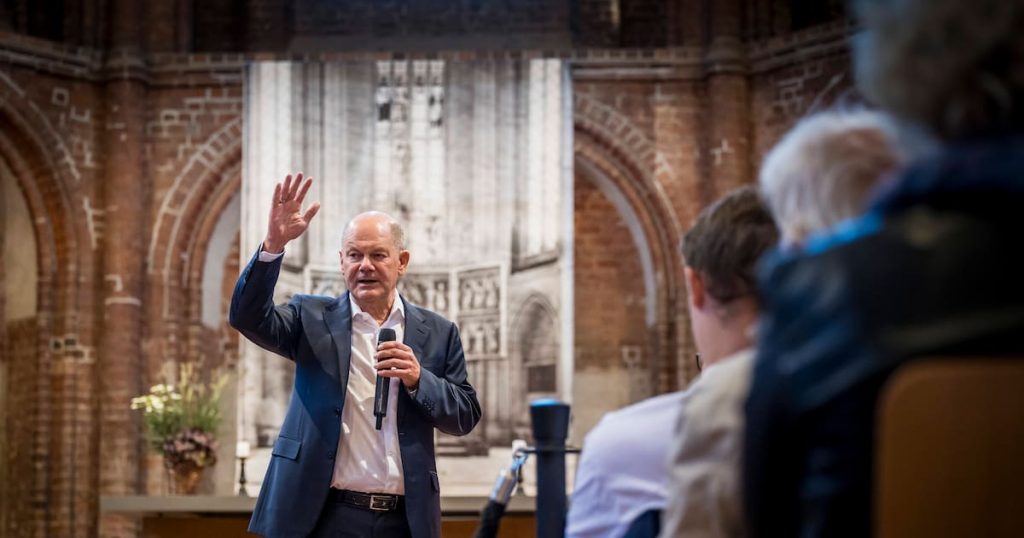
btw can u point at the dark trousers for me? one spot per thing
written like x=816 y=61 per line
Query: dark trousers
x=341 y=520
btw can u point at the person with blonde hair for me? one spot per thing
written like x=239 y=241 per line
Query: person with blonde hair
x=931 y=269
x=819 y=175
x=823 y=169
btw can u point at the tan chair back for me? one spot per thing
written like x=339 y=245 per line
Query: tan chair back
x=950 y=443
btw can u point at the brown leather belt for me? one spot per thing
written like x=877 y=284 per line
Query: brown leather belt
x=382 y=502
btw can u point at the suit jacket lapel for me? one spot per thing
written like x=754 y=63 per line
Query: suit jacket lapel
x=415 y=337
x=415 y=327
x=338 y=317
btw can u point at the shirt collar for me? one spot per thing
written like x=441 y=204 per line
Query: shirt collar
x=745 y=352
x=397 y=313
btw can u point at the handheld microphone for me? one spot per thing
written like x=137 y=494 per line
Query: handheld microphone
x=380 y=393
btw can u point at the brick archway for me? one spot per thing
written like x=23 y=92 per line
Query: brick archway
x=54 y=361
x=630 y=167
x=212 y=163
x=527 y=334
x=207 y=212
x=207 y=182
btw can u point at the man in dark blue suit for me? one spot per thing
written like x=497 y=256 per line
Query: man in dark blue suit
x=332 y=472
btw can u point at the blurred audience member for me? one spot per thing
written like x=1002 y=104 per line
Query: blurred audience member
x=817 y=176
x=932 y=269
x=623 y=470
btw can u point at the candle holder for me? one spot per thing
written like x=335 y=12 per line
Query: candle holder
x=242 y=492
x=242 y=453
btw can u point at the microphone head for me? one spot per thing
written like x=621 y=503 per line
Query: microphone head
x=386 y=335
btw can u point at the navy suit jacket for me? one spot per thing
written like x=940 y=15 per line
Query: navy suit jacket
x=315 y=332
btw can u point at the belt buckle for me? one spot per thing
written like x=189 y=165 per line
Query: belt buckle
x=381 y=503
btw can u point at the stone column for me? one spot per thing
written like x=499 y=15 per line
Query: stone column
x=727 y=139
x=123 y=263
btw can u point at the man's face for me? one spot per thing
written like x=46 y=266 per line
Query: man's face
x=371 y=262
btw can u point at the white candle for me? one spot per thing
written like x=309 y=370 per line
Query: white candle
x=242 y=450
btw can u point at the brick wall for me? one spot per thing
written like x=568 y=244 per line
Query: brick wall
x=21 y=371
x=782 y=95
x=126 y=163
x=608 y=280
x=595 y=23
x=97 y=161
x=228 y=338
x=368 y=17
x=644 y=137
x=645 y=23
x=613 y=365
x=219 y=27
x=279 y=25
x=273 y=25
x=49 y=141
x=681 y=129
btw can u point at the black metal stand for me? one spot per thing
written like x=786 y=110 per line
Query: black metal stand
x=510 y=480
x=550 y=420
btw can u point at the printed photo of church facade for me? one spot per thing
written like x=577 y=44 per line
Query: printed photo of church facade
x=472 y=158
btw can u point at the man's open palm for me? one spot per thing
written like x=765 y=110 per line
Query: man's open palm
x=287 y=221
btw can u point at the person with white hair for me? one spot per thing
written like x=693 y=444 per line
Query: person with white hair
x=823 y=170
x=931 y=269
x=819 y=175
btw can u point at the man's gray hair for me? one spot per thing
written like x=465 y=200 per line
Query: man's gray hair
x=822 y=170
x=950 y=67
x=395 y=227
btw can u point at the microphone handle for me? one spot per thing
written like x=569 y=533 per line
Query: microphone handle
x=380 y=398
x=380 y=395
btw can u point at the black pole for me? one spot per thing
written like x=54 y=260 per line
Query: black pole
x=490 y=520
x=550 y=419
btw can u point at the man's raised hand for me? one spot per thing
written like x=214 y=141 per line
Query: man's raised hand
x=287 y=221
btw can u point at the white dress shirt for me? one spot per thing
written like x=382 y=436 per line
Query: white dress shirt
x=368 y=460
x=623 y=469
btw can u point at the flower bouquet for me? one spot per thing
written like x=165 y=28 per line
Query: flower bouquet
x=181 y=420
